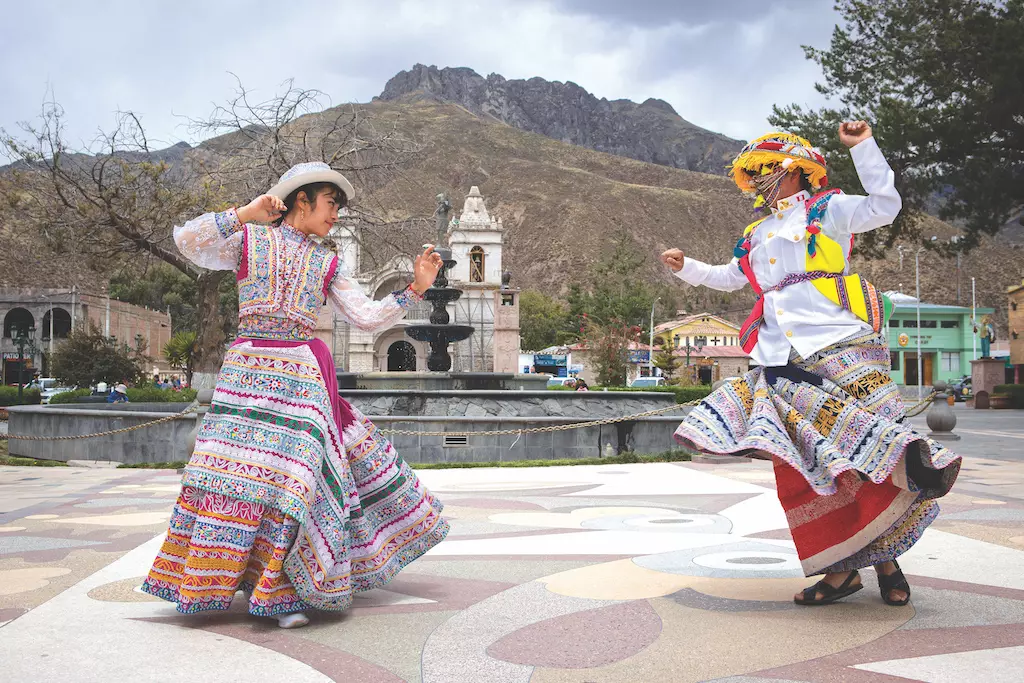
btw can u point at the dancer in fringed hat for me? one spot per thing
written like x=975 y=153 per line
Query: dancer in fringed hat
x=857 y=484
x=291 y=494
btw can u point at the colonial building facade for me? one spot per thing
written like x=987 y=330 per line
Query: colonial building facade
x=475 y=239
x=46 y=316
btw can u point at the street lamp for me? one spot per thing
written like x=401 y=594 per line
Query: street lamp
x=957 y=242
x=650 y=346
x=694 y=349
x=23 y=338
x=917 y=277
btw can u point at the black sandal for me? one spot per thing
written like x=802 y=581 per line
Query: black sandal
x=887 y=583
x=829 y=593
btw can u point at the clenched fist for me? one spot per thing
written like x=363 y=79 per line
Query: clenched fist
x=854 y=132
x=674 y=259
x=263 y=209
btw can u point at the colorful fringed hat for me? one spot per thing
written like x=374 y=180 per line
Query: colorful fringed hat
x=791 y=150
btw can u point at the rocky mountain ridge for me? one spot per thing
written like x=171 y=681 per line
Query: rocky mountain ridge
x=651 y=131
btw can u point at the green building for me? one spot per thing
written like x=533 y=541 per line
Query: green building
x=947 y=340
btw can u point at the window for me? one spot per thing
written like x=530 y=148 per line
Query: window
x=931 y=324
x=951 y=361
x=893 y=322
x=910 y=323
x=476 y=264
x=894 y=360
x=950 y=324
x=700 y=341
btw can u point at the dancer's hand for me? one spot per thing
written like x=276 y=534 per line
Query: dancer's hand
x=263 y=209
x=674 y=259
x=854 y=132
x=425 y=269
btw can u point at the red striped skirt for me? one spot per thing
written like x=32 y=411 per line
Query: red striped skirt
x=857 y=484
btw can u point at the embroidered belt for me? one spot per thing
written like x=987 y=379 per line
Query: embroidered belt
x=749 y=330
x=272 y=327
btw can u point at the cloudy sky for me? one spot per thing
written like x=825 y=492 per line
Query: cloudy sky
x=720 y=64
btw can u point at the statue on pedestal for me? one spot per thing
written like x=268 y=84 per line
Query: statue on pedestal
x=987 y=332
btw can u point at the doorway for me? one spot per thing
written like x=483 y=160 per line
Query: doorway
x=927 y=369
x=401 y=357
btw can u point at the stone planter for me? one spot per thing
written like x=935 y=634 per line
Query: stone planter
x=1000 y=402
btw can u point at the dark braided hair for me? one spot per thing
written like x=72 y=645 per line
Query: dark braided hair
x=312 y=192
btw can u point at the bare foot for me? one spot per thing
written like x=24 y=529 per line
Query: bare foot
x=835 y=580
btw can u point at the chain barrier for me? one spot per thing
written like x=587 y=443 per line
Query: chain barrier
x=192 y=408
x=913 y=411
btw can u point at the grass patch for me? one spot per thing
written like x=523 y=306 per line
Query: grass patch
x=176 y=465
x=624 y=459
x=14 y=461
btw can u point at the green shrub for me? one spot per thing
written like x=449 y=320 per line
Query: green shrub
x=155 y=395
x=1014 y=391
x=69 y=396
x=9 y=396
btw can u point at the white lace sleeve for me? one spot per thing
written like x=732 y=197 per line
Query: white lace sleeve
x=212 y=241
x=359 y=310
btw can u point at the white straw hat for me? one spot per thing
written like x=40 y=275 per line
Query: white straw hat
x=310 y=172
x=121 y=389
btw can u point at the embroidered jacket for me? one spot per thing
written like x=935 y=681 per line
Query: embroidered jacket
x=284 y=278
x=800 y=316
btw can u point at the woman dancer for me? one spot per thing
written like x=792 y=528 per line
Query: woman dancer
x=291 y=494
x=857 y=485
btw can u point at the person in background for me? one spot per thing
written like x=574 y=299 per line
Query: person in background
x=119 y=394
x=581 y=385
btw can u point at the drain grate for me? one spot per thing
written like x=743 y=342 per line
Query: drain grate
x=450 y=441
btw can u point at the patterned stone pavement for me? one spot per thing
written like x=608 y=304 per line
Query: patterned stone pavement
x=659 y=572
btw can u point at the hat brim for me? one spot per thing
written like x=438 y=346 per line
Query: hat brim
x=283 y=189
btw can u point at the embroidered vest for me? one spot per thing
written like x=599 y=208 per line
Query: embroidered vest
x=283 y=271
x=827 y=263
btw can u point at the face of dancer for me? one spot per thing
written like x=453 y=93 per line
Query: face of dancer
x=317 y=217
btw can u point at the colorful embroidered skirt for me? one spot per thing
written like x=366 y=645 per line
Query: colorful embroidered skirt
x=858 y=486
x=291 y=493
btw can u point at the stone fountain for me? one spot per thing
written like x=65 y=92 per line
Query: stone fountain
x=439 y=333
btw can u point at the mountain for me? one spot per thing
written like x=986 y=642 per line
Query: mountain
x=563 y=205
x=651 y=131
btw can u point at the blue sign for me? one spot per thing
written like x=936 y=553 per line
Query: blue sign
x=638 y=356
x=548 y=359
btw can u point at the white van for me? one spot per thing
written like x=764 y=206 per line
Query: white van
x=647 y=382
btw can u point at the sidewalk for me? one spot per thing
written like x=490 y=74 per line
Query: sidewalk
x=657 y=572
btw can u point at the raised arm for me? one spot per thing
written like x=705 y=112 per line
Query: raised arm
x=725 y=278
x=347 y=298
x=212 y=241
x=851 y=214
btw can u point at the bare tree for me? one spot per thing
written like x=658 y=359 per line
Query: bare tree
x=119 y=198
x=258 y=140
x=115 y=198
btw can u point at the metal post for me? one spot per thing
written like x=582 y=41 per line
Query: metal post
x=974 y=336
x=650 y=345
x=917 y=275
x=51 y=332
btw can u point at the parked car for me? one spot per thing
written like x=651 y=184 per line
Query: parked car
x=559 y=381
x=646 y=382
x=50 y=388
x=962 y=389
